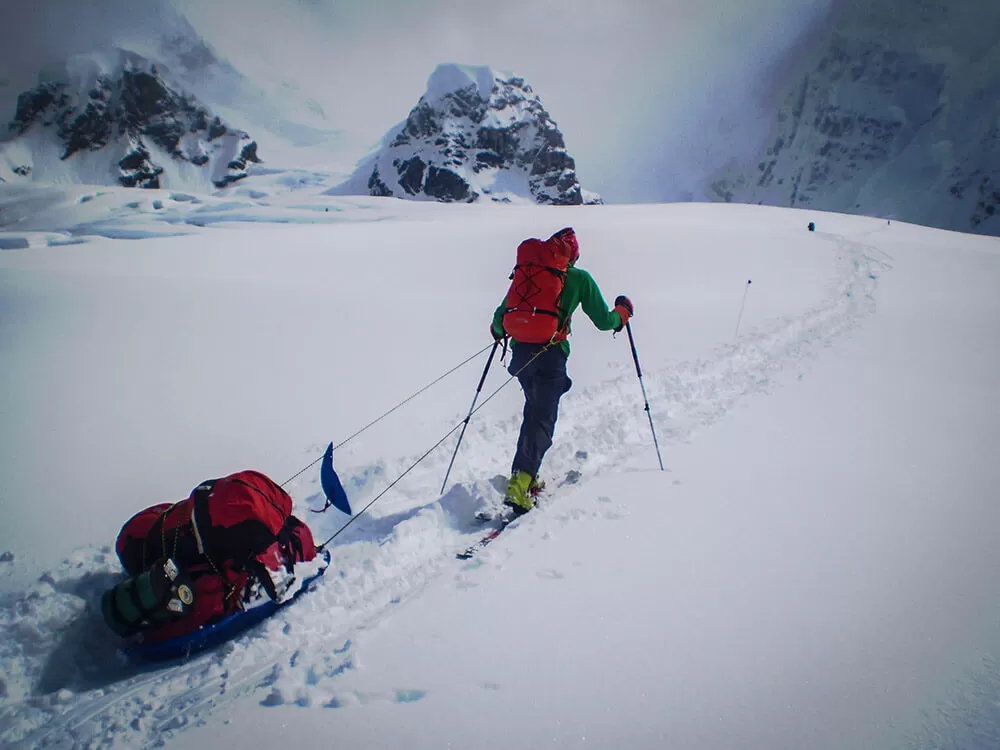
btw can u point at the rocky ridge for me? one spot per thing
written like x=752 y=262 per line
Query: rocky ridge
x=475 y=134
x=127 y=110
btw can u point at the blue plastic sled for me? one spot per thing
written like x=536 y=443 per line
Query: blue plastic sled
x=218 y=632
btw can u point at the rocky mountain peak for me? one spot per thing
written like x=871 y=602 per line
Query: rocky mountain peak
x=122 y=105
x=474 y=134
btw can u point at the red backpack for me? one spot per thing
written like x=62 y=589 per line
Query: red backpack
x=532 y=314
x=220 y=537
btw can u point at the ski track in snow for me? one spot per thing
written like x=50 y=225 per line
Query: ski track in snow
x=67 y=689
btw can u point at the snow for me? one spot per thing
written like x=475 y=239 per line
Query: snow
x=884 y=114
x=814 y=569
x=448 y=78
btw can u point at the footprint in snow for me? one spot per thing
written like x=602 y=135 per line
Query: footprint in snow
x=552 y=575
x=409 y=696
x=399 y=695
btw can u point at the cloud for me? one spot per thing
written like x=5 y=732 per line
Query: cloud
x=635 y=85
x=630 y=82
x=41 y=33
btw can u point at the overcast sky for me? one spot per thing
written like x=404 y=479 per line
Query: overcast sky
x=651 y=87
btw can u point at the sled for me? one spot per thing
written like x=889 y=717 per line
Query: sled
x=230 y=626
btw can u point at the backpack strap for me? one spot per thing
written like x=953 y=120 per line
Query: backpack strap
x=528 y=279
x=199 y=512
x=261 y=493
x=199 y=517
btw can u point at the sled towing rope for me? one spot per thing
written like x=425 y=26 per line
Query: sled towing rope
x=334 y=490
x=332 y=486
x=375 y=421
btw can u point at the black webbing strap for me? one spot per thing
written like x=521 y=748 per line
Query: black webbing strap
x=525 y=290
x=199 y=514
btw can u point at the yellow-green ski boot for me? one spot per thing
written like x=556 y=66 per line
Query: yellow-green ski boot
x=518 y=494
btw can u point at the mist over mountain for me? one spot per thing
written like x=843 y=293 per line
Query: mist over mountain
x=893 y=112
x=71 y=110
x=114 y=118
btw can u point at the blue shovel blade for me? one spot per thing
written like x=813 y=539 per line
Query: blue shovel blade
x=332 y=487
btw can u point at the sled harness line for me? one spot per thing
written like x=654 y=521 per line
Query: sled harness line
x=435 y=446
x=345 y=441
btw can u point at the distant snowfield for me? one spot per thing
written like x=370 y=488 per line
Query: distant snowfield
x=815 y=569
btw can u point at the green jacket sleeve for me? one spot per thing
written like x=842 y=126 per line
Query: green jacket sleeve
x=592 y=302
x=498 y=315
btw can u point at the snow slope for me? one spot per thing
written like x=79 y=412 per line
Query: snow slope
x=815 y=569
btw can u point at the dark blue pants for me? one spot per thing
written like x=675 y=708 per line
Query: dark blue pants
x=543 y=381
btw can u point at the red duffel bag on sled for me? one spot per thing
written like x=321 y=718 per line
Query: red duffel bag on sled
x=195 y=562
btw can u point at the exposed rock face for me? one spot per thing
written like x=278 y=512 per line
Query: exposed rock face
x=895 y=114
x=137 y=170
x=475 y=134
x=127 y=108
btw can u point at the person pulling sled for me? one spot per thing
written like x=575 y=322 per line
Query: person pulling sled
x=546 y=289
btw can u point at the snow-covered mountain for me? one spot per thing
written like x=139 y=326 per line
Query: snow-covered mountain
x=474 y=134
x=894 y=112
x=290 y=126
x=117 y=118
x=148 y=101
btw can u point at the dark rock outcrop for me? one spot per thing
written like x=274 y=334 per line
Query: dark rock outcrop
x=131 y=110
x=475 y=134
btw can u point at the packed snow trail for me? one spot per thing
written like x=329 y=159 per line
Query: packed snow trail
x=79 y=696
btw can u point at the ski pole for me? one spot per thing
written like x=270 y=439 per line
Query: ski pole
x=434 y=447
x=374 y=422
x=638 y=371
x=742 y=304
x=465 y=424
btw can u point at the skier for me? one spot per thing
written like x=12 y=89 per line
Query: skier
x=546 y=289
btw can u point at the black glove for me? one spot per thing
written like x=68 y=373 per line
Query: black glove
x=497 y=336
x=623 y=306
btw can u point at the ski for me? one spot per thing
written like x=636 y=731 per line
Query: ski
x=504 y=521
x=506 y=516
